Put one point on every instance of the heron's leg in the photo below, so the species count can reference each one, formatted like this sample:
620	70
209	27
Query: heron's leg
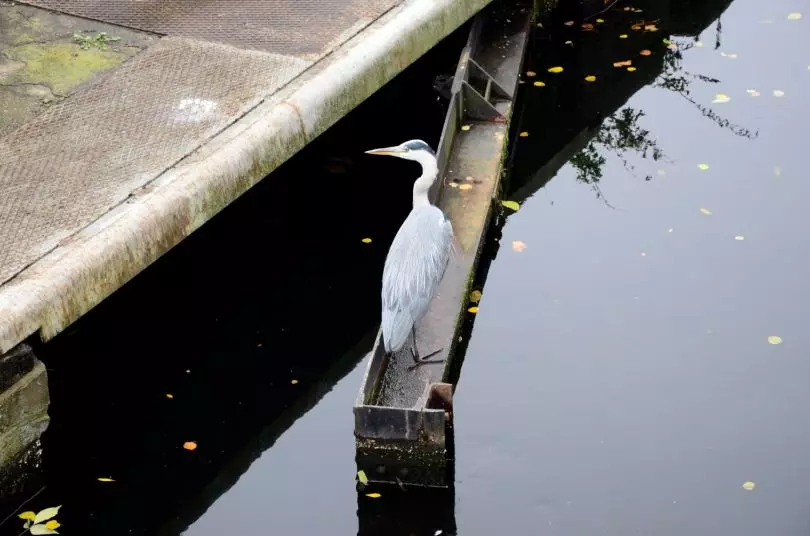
426	359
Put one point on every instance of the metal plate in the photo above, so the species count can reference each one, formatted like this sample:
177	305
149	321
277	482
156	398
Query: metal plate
299	27
74	162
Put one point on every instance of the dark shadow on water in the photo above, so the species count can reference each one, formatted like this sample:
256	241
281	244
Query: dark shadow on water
235	333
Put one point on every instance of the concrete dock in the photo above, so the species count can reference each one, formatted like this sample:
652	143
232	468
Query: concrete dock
127	125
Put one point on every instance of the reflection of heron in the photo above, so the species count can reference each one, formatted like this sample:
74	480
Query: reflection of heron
417	258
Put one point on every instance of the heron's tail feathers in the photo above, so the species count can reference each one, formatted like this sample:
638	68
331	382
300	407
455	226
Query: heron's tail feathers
396	326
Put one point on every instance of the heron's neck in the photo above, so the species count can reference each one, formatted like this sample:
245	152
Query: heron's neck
422	185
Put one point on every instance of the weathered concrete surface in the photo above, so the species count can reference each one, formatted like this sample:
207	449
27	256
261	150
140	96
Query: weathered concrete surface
23	417
176	146
41	63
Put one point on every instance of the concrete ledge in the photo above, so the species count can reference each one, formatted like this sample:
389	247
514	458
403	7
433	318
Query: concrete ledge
61	287
23	414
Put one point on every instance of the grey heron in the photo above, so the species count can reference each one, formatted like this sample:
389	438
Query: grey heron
417	258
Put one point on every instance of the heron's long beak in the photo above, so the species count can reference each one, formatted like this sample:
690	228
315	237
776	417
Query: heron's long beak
387	151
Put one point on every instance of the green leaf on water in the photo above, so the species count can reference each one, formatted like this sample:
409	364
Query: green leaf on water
361	476
513	205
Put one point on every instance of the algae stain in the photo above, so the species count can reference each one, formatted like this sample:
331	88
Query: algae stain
61	66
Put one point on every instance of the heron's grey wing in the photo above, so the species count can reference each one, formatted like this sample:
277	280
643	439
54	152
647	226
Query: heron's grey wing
413	269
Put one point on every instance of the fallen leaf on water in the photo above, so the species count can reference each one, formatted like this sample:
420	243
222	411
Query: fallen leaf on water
661	172
748	486
778	93
672	46
453	184
472	310
569	43
105	479
555	69
437	533
739	238
465	186
721	98
189	445
569	23
631	69
624	63
40	529
524	134
635	27
475	296
703	167
361	476
373	495
587	27
46	514
775	339
518	245
600	21
646	52
623	36
753	92
531	74
590	78
794	16
465	127
28	516
706	211
169	396
52	524
513	205
366	241
651	28
294	382
732	56
540	84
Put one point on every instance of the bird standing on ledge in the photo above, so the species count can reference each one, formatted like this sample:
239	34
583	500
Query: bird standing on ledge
417	258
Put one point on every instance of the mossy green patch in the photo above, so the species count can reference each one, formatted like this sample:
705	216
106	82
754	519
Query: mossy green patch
61	66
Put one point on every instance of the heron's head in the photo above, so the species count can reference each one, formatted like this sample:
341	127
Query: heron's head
416	150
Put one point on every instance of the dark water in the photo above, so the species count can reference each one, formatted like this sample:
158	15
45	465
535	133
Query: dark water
627	344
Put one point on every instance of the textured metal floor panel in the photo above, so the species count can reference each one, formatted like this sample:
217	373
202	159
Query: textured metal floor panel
299	27
67	167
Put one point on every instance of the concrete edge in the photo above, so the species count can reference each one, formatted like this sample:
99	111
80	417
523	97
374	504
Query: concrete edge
63	286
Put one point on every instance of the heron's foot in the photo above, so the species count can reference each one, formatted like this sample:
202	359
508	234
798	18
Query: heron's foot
425	360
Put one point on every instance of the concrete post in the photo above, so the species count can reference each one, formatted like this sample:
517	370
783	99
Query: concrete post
23	417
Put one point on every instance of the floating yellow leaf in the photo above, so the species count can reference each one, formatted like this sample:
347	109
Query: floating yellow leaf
105	479
631	69
635	27
540	84
52	524
703	167
464	186
472	310
190	445
748	486
721	98
530	73
623	36
29	516
555	69
169	395
706	211
794	16
294	382
775	339
651	28
512	205
646	52
600	21
373	495
524	134
739	237
518	246
361	476
778	93
46	514
366	241
465	127
590	78
624	63
475	296
40	529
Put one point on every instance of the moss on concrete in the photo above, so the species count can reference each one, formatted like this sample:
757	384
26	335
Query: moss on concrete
60	66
